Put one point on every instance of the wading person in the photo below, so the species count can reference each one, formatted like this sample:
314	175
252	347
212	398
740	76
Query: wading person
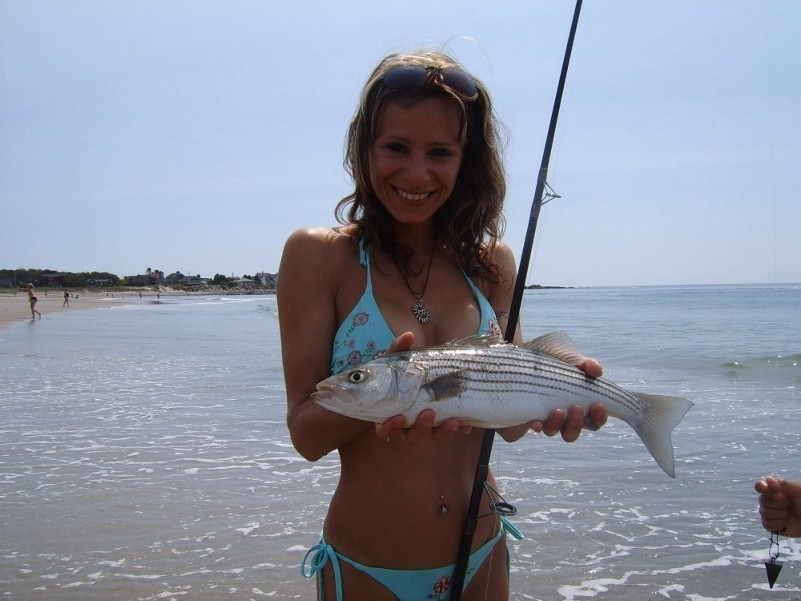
417	261
32	300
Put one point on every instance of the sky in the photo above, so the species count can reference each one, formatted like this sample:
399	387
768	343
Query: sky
195	136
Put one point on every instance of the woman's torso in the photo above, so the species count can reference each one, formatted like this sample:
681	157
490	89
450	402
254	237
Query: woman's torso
399	505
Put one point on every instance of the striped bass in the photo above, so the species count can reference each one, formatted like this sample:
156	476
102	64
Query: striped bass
488	383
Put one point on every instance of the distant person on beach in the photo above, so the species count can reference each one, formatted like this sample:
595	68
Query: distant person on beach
417	261
66	302
32	301
780	505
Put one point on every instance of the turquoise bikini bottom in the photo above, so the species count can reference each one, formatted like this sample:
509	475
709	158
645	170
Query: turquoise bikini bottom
411	585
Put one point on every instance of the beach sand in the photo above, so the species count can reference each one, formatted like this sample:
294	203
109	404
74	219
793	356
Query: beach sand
14	308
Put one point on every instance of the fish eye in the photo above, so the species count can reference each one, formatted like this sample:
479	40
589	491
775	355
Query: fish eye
357	376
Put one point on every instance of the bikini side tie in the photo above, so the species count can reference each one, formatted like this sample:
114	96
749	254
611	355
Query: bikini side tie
322	554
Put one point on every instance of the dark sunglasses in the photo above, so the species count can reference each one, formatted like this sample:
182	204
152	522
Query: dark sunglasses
408	77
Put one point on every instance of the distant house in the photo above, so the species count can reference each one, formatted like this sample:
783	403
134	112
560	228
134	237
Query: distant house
151	278
92	282
140	280
50	279
268	280
174	278
192	280
245	282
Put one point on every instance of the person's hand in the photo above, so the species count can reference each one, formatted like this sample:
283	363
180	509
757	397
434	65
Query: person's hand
592	368
395	427
780	505
571	423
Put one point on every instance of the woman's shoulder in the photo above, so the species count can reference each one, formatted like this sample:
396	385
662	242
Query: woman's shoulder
501	254
502	259
321	239
320	249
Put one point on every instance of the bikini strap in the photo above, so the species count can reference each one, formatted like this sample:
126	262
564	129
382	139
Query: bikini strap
322	554
364	259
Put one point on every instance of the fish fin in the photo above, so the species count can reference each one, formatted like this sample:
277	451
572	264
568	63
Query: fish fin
557	345
447	386
476	340
660	415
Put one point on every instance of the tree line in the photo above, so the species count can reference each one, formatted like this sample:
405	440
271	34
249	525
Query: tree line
39	277
19	278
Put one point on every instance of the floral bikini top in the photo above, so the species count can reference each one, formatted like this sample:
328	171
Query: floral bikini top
365	335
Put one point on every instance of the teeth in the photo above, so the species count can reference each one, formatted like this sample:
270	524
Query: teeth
410	196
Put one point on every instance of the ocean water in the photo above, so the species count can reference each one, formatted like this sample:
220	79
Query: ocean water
144	455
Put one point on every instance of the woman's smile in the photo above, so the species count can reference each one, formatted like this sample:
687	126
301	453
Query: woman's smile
411	195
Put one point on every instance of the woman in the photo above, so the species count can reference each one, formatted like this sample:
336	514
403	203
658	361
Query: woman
32	302
418	261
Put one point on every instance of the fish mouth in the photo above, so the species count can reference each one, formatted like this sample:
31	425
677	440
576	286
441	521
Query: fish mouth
325	391
322	387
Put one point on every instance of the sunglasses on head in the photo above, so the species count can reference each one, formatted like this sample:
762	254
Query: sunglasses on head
409	77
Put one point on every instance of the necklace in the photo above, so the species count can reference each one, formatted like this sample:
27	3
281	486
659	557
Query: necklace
419	310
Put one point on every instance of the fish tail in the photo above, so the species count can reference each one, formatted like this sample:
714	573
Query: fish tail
655	425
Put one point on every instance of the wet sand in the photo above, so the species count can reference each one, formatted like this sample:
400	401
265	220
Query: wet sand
14	308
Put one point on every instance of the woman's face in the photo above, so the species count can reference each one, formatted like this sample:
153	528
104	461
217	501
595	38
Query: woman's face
415	158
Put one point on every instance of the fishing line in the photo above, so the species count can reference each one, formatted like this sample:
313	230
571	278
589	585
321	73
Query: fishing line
482	466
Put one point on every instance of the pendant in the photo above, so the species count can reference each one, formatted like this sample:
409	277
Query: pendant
422	314
773	567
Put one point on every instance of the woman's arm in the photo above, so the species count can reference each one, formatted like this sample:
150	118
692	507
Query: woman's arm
306	293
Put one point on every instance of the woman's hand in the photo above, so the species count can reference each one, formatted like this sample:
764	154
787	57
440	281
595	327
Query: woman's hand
424	423
423	426
571	423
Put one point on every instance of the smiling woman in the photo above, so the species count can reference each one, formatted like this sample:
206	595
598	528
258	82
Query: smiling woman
418	261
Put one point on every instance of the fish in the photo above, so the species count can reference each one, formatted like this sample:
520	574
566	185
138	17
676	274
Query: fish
486	382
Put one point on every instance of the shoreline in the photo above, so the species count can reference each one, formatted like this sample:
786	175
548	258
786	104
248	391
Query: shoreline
14	306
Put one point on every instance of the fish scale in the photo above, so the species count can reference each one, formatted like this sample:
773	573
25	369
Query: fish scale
539	372
486	382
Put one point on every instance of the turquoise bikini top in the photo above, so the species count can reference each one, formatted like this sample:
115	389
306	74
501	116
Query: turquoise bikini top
365	335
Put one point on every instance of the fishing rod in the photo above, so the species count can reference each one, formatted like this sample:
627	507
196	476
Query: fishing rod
482	467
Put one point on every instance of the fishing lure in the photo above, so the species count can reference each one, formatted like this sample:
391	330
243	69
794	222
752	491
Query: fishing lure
773	567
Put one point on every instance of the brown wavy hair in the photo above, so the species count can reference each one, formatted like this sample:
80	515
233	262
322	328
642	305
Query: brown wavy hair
471	221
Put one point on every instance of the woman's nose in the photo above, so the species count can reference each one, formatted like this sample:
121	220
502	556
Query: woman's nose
417	171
